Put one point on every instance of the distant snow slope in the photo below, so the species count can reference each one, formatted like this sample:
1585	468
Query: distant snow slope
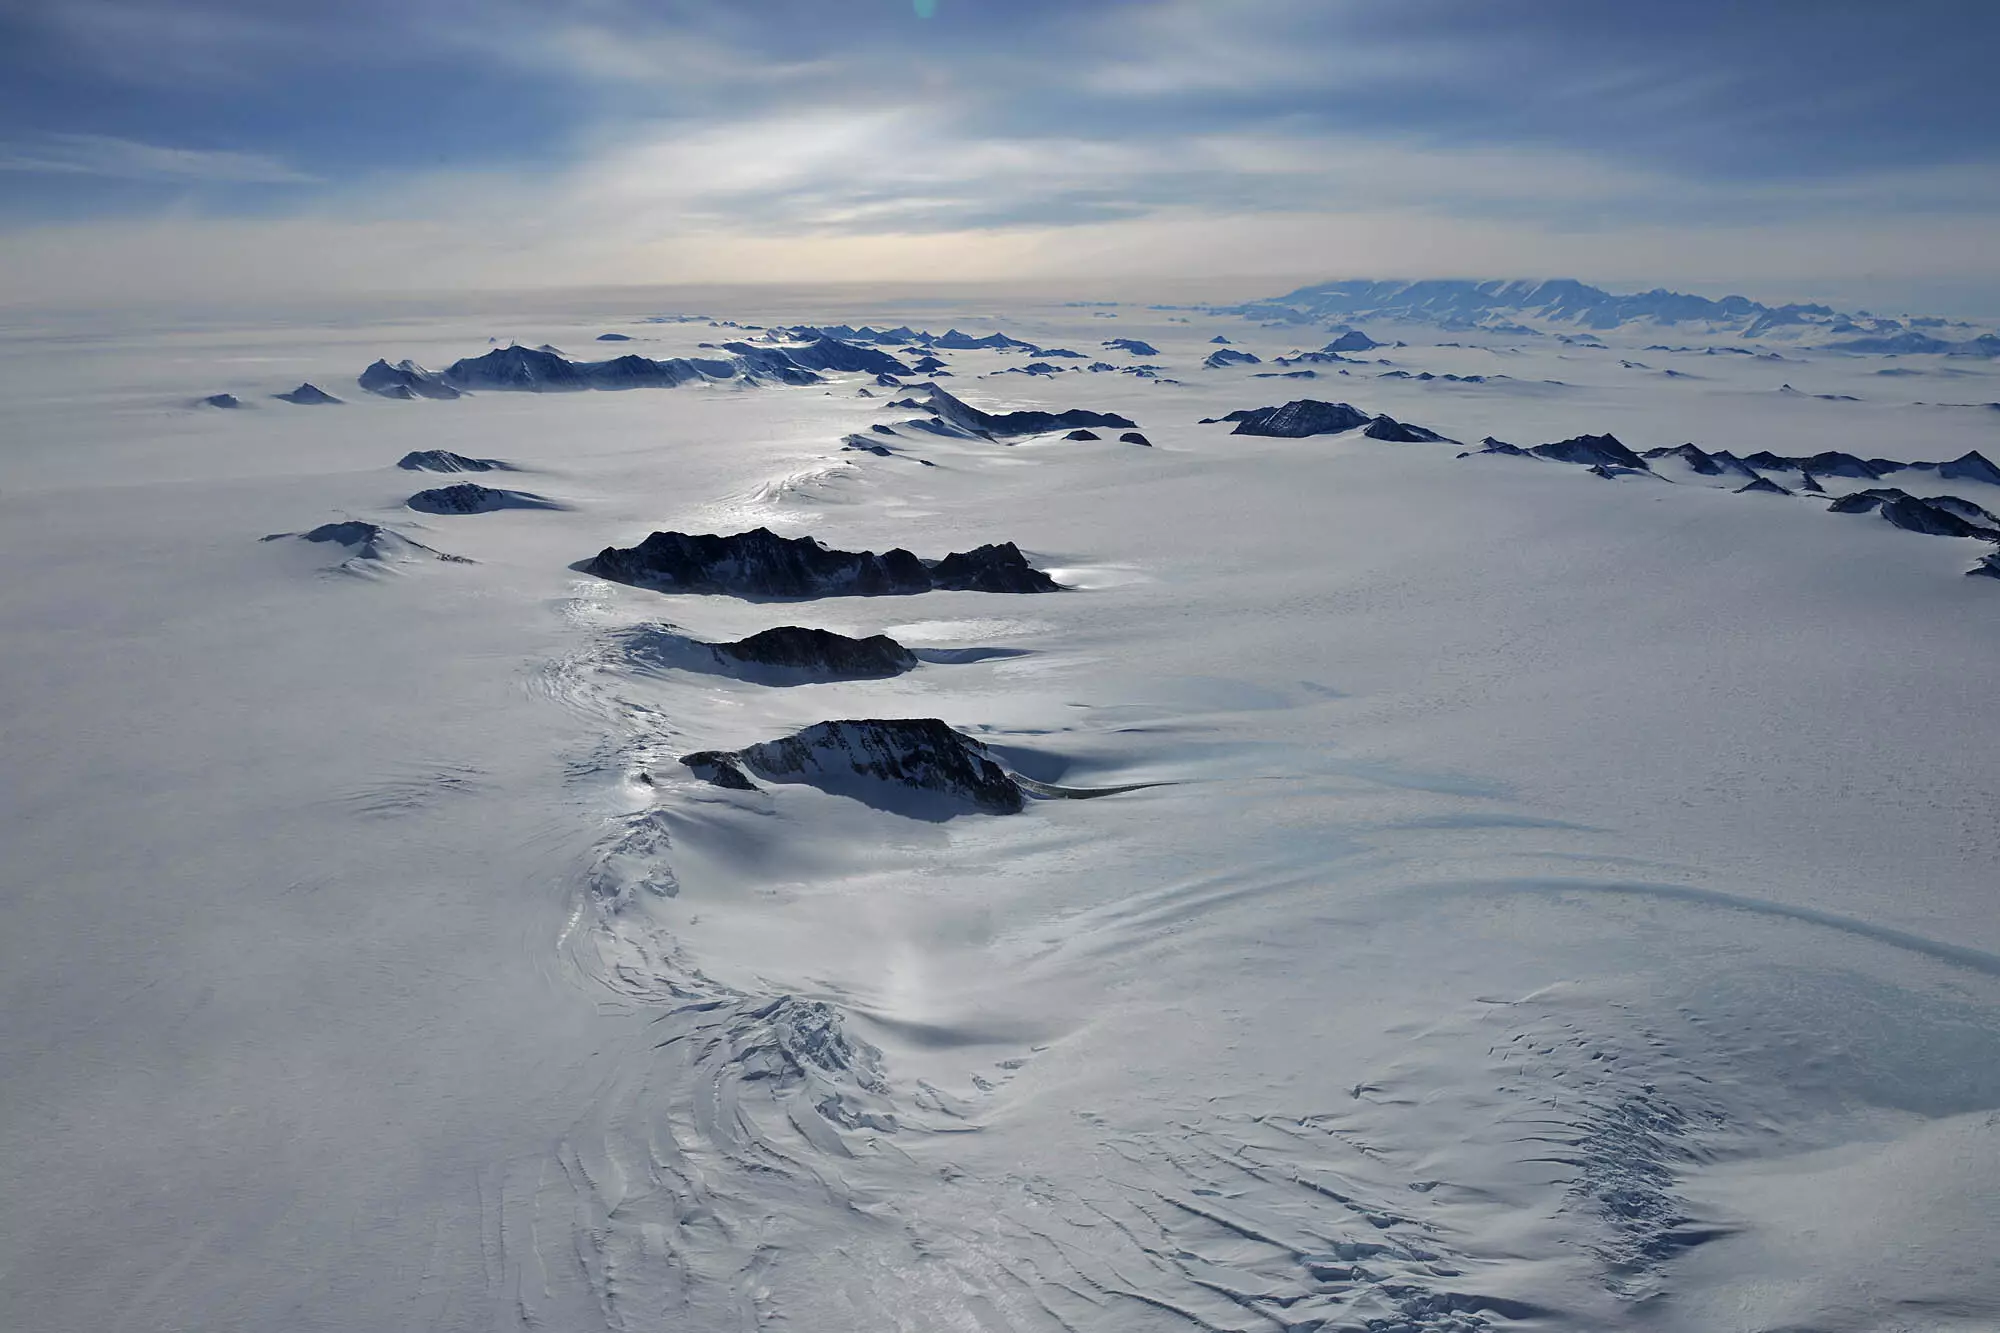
1453	888
1502	306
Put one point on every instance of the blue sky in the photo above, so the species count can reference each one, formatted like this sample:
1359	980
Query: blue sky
511	142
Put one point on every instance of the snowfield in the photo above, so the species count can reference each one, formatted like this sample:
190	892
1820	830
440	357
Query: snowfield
1387	885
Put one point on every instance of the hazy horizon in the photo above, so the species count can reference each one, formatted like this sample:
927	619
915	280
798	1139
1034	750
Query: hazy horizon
223	150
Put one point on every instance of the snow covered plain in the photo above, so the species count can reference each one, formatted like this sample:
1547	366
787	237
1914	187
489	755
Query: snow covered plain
1549	900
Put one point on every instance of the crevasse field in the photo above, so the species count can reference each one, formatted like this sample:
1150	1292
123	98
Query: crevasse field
1513	896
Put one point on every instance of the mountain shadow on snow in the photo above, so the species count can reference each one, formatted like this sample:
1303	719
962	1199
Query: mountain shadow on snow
918	767
760	564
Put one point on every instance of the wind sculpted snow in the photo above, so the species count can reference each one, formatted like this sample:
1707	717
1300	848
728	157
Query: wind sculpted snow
1515	900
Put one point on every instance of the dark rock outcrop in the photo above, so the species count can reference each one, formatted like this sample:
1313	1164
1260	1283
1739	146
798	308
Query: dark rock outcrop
543	370
1354	340
307	395
1225	357
953	341
1133	345
1973	466
719	767
915	766
1489	445
1017	423
1592	450
1696	459
1762	486
1083	435
614	338
405	379
995	567
761	564
1298	419
443	460
1936	516
369	543
1400	432
223	400
470	498
832	354
822	653
1134	437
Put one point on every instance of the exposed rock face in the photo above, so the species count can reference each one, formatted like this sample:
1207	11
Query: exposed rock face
369	542
1602	450
1398	432
1489	445
1973	466
1083	435
613	338
927	365
405	379
1225	357
953	340
1354	340
470	498
1936	516
1298	419
545	370
912	765
822	653
1762	486
759	563
992	568
1696	460
1134	437
1016	423
832	354
1133	345
719	767
443	460
224	400
307	395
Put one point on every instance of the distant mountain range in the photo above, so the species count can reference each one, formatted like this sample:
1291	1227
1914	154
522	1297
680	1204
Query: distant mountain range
1527	306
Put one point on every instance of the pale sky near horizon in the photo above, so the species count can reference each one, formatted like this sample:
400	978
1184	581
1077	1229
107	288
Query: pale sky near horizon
1788	149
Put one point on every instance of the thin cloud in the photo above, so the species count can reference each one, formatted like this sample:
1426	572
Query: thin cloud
128	159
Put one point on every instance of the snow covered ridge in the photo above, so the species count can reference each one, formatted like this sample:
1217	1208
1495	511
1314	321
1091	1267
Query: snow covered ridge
373	547
471	498
1308	416
545	370
1500	306
760	563
972	419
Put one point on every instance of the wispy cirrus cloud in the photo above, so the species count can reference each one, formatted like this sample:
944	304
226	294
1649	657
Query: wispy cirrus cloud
129	159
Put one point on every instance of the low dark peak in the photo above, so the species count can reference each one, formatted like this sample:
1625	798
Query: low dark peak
822	652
